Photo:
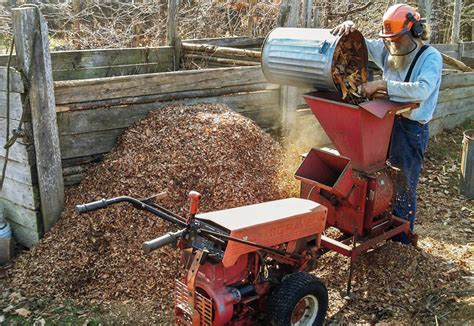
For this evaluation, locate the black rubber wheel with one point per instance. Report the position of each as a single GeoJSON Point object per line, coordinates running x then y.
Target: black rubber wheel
{"type": "Point", "coordinates": [300, 299]}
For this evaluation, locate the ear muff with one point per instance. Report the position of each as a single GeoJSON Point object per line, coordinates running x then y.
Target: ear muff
{"type": "Point", "coordinates": [417, 28]}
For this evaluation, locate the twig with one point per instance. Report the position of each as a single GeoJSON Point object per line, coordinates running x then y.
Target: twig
{"type": "Point", "coordinates": [353, 11]}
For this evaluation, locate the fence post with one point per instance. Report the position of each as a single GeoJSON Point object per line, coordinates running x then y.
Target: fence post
{"type": "Point", "coordinates": [32, 48]}
{"type": "Point", "coordinates": [172, 38]}
{"type": "Point", "coordinates": [289, 15]}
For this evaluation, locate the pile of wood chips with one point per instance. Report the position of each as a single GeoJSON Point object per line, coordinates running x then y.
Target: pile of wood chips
{"type": "Point", "coordinates": [97, 257]}
{"type": "Point", "coordinates": [349, 71]}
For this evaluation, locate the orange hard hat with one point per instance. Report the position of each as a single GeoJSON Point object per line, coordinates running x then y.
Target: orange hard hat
{"type": "Point", "coordinates": [398, 20]}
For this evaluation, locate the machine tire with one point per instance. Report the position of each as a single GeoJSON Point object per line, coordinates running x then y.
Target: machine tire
{"type": "Point", "coordinates": [295, 288]}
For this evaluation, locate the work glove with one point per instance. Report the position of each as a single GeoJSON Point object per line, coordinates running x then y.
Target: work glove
{"type": "Point", "coordinates": [344, 28]}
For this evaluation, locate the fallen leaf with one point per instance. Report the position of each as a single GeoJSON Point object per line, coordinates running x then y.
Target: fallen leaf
{"type": "Point", "coordinates": [23, 312]}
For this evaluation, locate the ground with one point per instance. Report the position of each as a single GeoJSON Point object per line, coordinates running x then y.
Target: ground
{"type": "Point", "coordinates": [394, 284]}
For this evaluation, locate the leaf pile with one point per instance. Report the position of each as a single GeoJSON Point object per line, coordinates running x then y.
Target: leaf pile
{"type": "Point", "coordinates": [97, 256]}
{"type": "Point", "coordinates": [349, 71]}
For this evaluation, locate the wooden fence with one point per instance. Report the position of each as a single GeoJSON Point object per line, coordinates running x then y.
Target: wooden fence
{"type": "Point", "coordinates": [90, 113]}
{"type": "Point", "coordinates": [20, 194]}
{"type": "Point", "coordinates": [71, 65]}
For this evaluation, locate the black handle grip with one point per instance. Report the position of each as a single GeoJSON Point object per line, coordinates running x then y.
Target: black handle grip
{"type": "Point", "coordinates": [84, 208]}
{"type": "Point", "coordinates": [164, 240]}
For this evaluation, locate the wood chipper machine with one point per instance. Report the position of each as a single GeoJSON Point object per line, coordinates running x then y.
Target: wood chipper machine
{"type": "Point", "coordinates": [354, 182]}
{"type": "Point", "coordinates": [248, 265]}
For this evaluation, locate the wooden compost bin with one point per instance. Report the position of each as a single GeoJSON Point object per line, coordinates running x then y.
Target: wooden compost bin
{"type": "Point", "coordinates": [93, 96]}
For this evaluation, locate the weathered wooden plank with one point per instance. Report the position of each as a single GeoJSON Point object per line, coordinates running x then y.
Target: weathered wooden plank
{"type": "Point", "coordinates": [448, 122]}
{"type": "Point", "coordinates": [458, 93]}
{"type": "Point", "coordinates": [16, 84]}
{"type": "Point", "coordinates": [454, 107]}
{"type": "Point", "coordinates": [446, 47]}
{"type": "Point", "coordinates": [75, 122]}
{"type": "Point", "coordinates": [464, 79]}
{"type": "Point", "coordinates": [18, 152]}
{"type": "Point", "coordinates": [70, 60]}
{"type": "Point", "coordinates": [37, 66]}
{"type": "Point", "coordinates": [15, 105]}
{"type": "Point", "coordinates": [234, 42]}
{"type": "Point", "coordinates": [73, 179]}
{"type": "Point", "coordinates": [468, 49]}
{"type": "Point", "coordinates": [149, 84]}
{"type": "Point", "coordinates": [219, 60]}
{"type": "Point", "coordinates": [89, 143]}
{"type": "Point", "coordinates": [20, 193]}
{"type": "Point", "coordinates": [20, 215]}
{"type": "Point", "coordinates": [222, 51]}
{"type": "Point", "coordinates": [167, 97]}
{"type": "Point", "coordinates": [111, 71]}
{"type": "Point", "coordinates": [468, 61]}
{"type": "Point", "coordinates": [20, 172]}
{"type": "Point", "coordinates": [82, 160]}
{"type": "Point", "coordinates": [24, 235]}
{"type": "Point", "coordinates": [83, 59]}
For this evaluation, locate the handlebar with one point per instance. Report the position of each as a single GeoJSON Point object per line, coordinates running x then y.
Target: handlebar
{"type": "Point", "coordinates": [156, 210]}
{"type": "Point", "coordinates": [89, 207]}
{"type": "Point", "coordinates": [164, 240]}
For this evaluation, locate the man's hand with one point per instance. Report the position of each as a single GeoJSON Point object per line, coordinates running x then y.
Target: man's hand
{"type": "Point", "coordinates": [370, 88]}
{"type": "Point", "coordinates": [345, 28]}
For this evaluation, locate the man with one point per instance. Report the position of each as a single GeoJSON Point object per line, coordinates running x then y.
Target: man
{"type": "Point", "coordinates": [411, 73]}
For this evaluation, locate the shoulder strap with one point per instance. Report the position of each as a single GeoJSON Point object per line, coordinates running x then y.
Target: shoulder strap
{"type": "Point", "coordinates": [413, 63]}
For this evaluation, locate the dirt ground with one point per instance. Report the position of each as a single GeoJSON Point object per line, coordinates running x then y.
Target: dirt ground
{"type": "Point", "coordinates": [393, 284]}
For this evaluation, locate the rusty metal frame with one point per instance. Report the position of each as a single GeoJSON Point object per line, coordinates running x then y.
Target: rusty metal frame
{"type": "Point", "coordinates": [397, 226]}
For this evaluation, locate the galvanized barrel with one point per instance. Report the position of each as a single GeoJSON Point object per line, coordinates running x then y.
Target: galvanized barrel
{"type": "Point", "coordinates": [303, 57]}
{"type": "Point", "coordinates": [467, 164]}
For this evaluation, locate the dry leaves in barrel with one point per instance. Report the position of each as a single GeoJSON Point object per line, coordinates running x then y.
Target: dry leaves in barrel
{"type": "Point", "coordinates": [349, 71]}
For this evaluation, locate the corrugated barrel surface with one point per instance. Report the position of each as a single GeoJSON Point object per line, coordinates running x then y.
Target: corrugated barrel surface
{"type": "Point", "coordinates": [300, 57]}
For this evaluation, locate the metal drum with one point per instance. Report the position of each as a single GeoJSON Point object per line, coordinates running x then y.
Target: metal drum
{"type": "Point", "coordinates": [303, 57]}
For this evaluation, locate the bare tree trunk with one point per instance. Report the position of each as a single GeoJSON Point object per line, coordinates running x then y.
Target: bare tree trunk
{"type": "Point", "coordinates": [425, 7]}
{"type": "Point", "coordinates": [317, 15]}
{"type": "Point", "coordinates": [252, 19]}
{"type": "Point", "coordinates": [307, 12]}
{"type": "Point", "coordinates": [456, 21]}
{"type": "Point", "coordinates": [76, 9]}
{"type": "Point", "coordinates": [434, 21]}
{"type": "Point", "coordinates": [289, 13]}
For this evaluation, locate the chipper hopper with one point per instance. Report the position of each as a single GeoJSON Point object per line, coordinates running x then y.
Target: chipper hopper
{"type": "Point", "coordinates": [355, 183]}
{"type": "Point", "coordinates": [244, 266]}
